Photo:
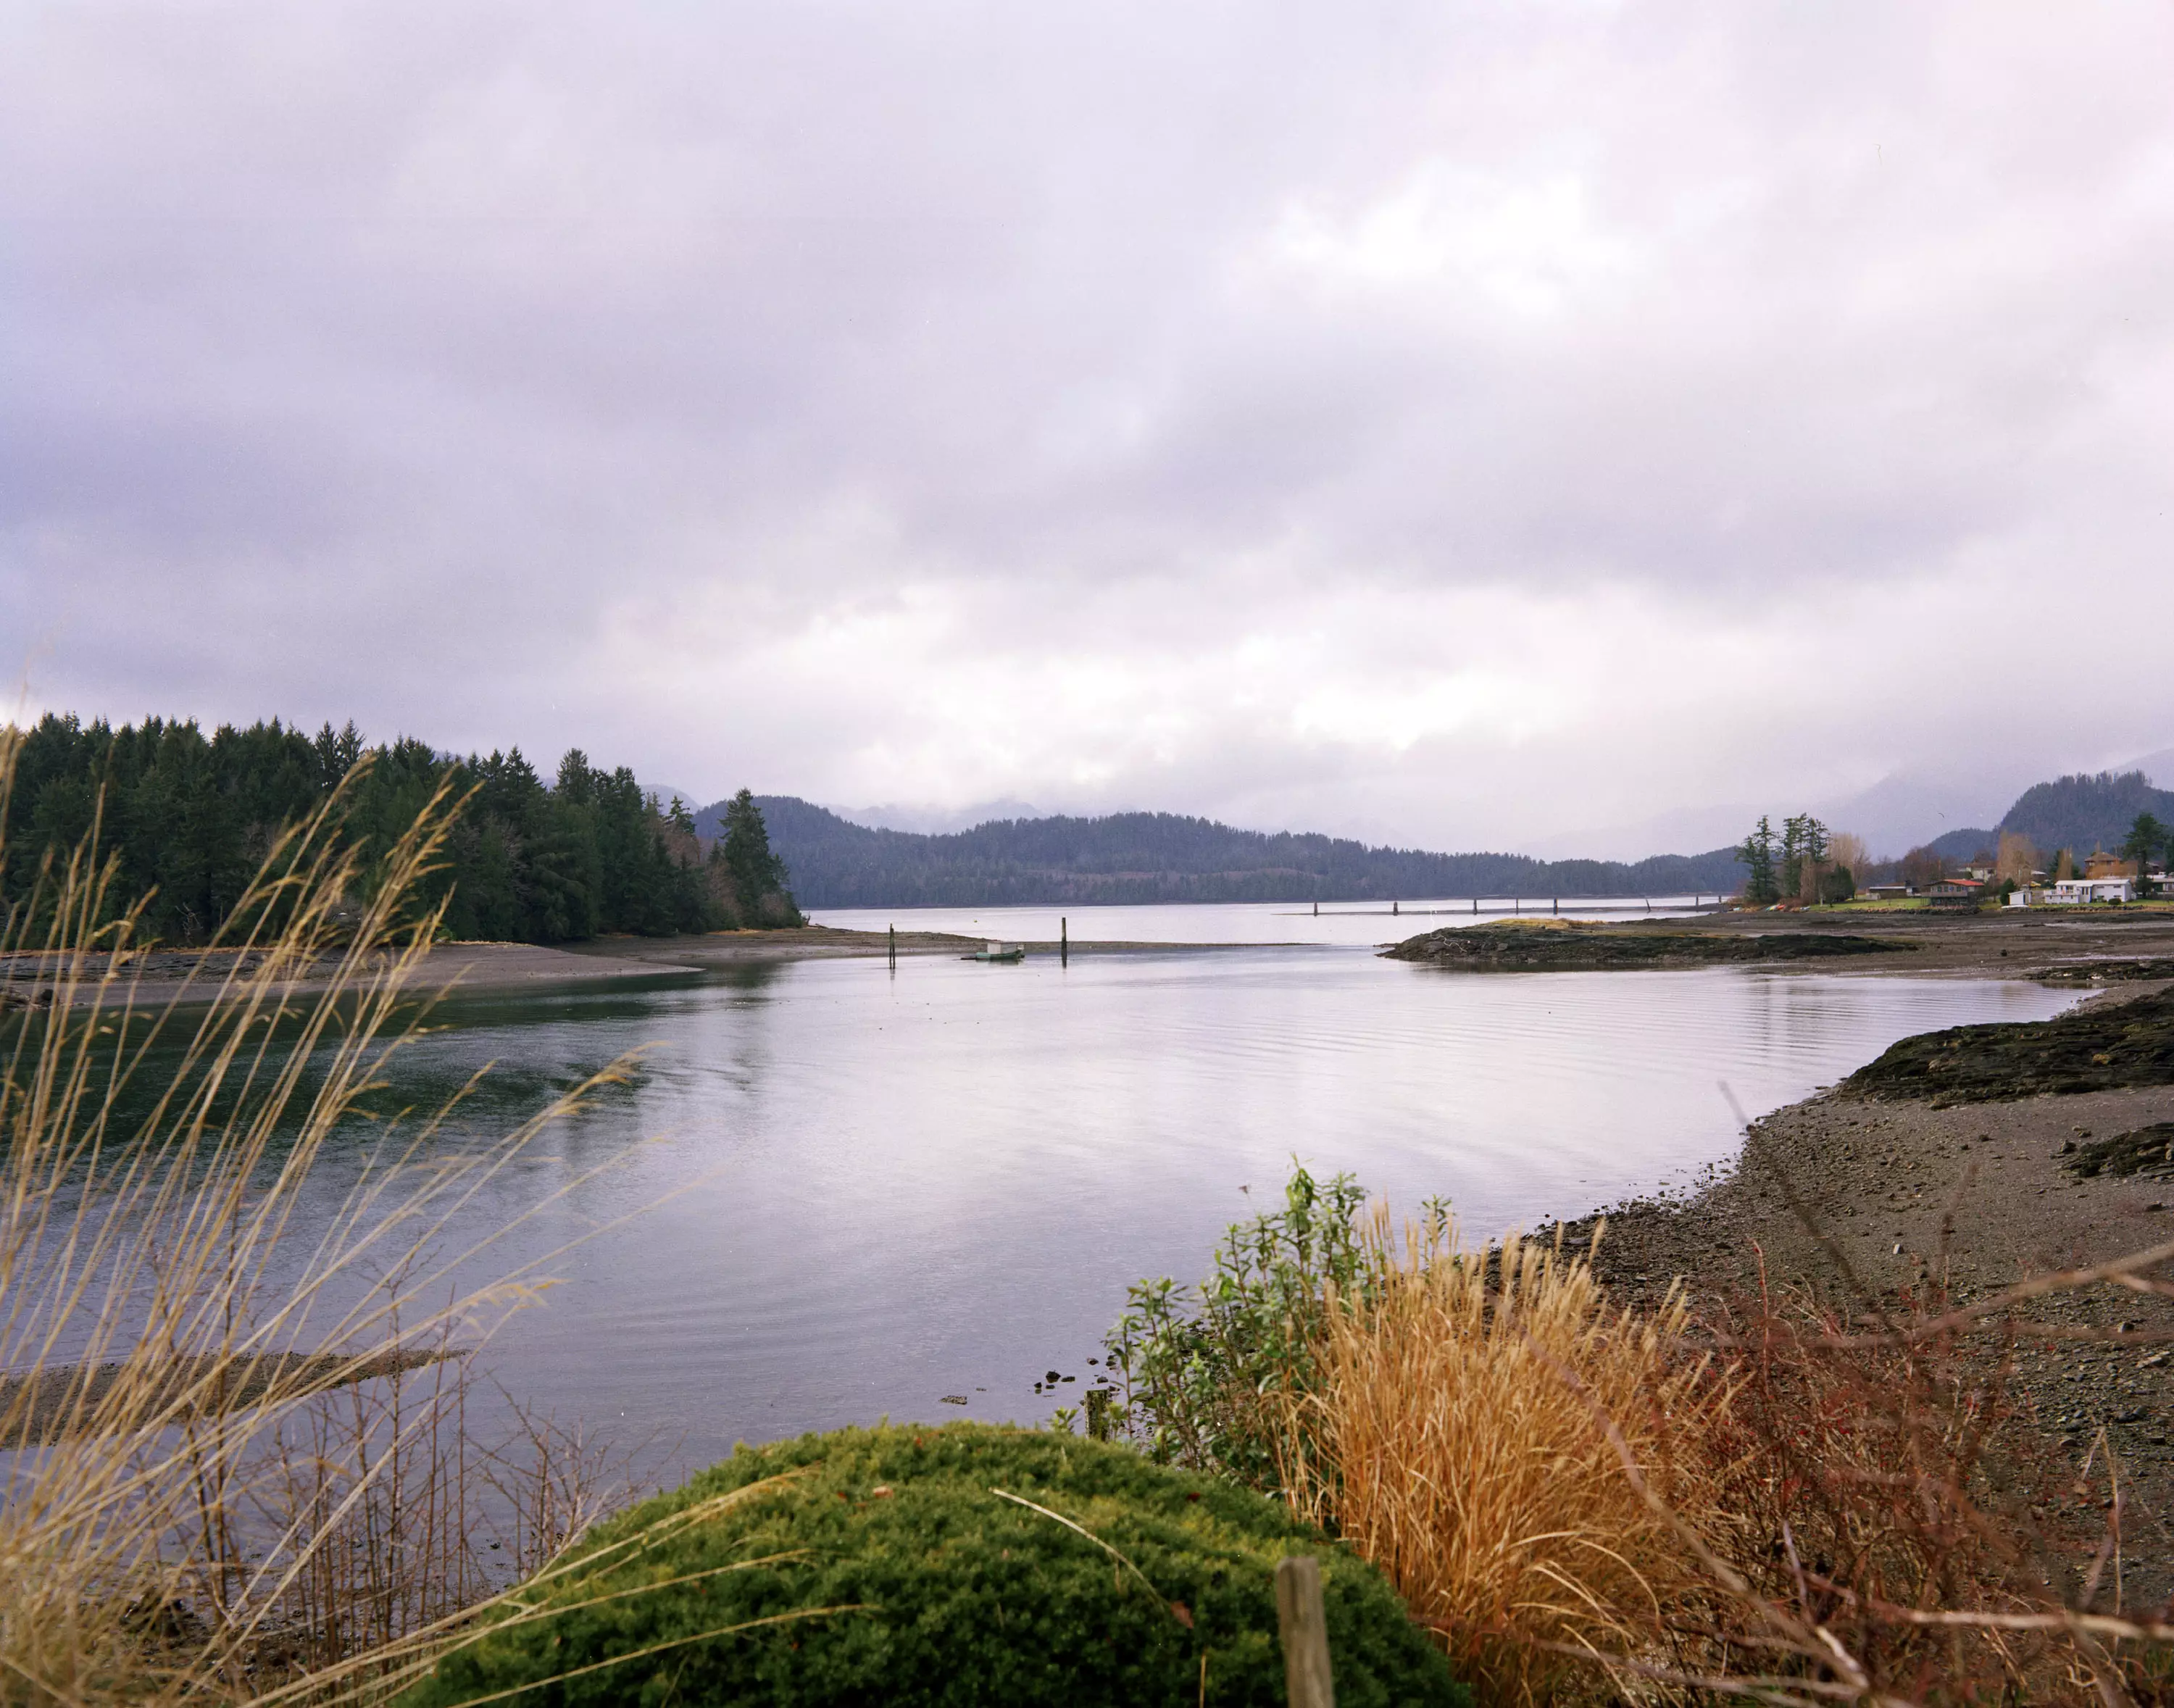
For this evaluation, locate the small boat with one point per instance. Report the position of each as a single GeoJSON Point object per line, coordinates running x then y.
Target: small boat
{"type": "Point", "coordinates": [1001, 952]}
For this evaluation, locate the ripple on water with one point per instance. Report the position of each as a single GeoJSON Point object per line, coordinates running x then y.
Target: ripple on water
{"type": "Point", "coordinates": [879, 1189]}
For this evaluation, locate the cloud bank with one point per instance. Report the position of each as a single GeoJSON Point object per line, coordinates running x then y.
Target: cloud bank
{"type": "Point", "coordinates": [1455, 425]}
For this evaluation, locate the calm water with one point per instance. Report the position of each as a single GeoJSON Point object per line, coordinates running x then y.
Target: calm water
{"type": "Point", "coordinates": [879, 1189]}
{"type": "Point", "coordinates": [1345, 924]}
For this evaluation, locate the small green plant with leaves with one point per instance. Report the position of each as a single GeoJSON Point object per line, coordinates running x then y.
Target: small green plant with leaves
{"type": "Point", "coordinates": [1207, 1375]}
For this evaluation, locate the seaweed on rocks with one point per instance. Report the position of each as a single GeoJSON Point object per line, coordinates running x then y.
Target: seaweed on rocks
{"type": "Point", "coordinates": [2100, 1048]}
{"type": "Point", "coordinates": [1537, 946]}
{"type": "Point", "coordinates": [2147, 1150]}
{"type": "Point", "coordinates": [2107, 972]}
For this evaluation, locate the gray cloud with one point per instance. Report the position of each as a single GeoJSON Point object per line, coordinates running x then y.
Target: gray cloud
{"type": "Point", "coordinates": [1457, 424]}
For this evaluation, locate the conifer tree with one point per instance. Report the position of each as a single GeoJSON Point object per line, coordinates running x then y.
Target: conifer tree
{"type": "Point", "coordinates": [757, 876]}
{"type": "Point", "coordinates": [1757, 853]}
{"type": "Point", "coordinates": [2146, 837]}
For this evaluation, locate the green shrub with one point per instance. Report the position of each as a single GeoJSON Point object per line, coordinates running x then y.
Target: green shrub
{"type": "Point", "coordinates": [965, 1596]}
{"type": "Point", "coordinates": [1207, 1374]}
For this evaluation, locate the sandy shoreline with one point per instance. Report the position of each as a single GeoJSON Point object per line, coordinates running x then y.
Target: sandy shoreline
{"type": "Point", "coordinates": [481, 969]}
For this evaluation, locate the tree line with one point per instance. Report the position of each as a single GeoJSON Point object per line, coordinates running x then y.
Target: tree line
{"type": "Point", "coordinates": [1809, 863]}
{"type": "Point", "coordinates": [190, 817]}
{"type": "Point", "coordinates": [1135, 857]}
{"type": "Point", "coordinates": [1803, 863]}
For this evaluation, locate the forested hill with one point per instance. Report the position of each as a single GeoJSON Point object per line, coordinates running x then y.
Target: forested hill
{"type": "Point", "coordinates": [2085, 813]}
{"type": "Point", "coordinates": [2082, 814]}
{"type": "Point", "coordinates": [190, 817]}
{"type": "Point", "coordinates": [1159, 856]}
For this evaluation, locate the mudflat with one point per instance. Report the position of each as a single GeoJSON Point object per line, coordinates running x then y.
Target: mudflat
{"type": "Point", "coordinates": [27, 979]}
{"type": "Point", "coordinates": [160, 975]}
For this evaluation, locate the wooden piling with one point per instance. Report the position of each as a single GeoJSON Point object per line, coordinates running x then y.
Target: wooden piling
{"type": "Point", "coordinates": [1307, 1680]}
{"type": "Point", "coordinates": [1098, 1413]}
{"type": "Point", "coordinates": [893, 949]}
{"type": "Point", "coordinates": [1064, 942]}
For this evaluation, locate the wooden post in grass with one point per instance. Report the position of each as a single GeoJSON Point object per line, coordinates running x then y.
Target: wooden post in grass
{"type": "Point", "coordinates": [1306, 1681]}
{"type": "Point", "coordinates": [1098, 1413]}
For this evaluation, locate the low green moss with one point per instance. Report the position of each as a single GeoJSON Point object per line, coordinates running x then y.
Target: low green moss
{"type": "Point", "coordinates": [965, 1596]}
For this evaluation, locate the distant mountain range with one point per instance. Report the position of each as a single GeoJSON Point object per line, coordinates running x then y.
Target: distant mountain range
{"type": "Point", "coordinates": [1160, 857]}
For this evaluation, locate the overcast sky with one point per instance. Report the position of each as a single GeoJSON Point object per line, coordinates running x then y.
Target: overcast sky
{"type": "Point", "coordinates": [1454, 424]}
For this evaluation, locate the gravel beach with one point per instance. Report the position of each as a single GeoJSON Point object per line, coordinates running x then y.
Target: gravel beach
{"type": "Point", "coordinates": [1869, 1190]}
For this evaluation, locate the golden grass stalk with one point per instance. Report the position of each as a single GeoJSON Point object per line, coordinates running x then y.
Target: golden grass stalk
{"type": "Point", "coordinates": [173, 1291]}
{"type": "Point", "coordinates": [1445, 1445]}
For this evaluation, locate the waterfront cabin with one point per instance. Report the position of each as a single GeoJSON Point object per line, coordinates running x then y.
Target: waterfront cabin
{"type": "Point", "coordinates": [2081, 892]}
{"type": "Point", "coordinates": [1953, 888]}
{"type": "Point", "coordinates": [1884, 892]}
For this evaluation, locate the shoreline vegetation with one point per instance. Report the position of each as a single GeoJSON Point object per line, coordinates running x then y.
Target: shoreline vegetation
{"type": "Point", "coordinates": [240, 1465]}
{"type": "Point", "coordinates": [1909, 1359]}
{"type": "Point", "coordinates": [1878, 1415]}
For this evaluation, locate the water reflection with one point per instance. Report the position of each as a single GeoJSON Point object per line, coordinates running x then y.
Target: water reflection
{"type": "Point", "coordinates": [879, 1189]}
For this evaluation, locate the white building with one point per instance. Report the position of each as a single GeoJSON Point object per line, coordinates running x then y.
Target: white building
{"type": "Point", "coordinates": [2073, 892]}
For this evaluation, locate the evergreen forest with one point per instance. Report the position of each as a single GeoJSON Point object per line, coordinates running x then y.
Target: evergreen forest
{"type": "Point", "coordinates": [1162, 856]}
{"type": "Point", "coordinates": [190, 817]}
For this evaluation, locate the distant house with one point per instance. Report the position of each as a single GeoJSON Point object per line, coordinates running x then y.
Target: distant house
{"type": "Point", "coordinates": [1953, 888]}
{"type": "Point", "coordinates": [2109, 866]}
{"type": "Point", "coordinates": [2076, 892]}
{"type": "Point", "coordinates": [2027, 895]}
{"type": "Point", "coordinates": [1982, 873]}
{"type": "Point", "coordinates": [1884, 892]}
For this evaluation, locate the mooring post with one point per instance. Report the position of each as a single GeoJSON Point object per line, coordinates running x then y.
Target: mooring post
{"type": "Point", "coordinates": [1557, 908]}
{"type": "Point", "coordinates": [893, 949]}
{"type": "Point", "coordinates": [1064, 942]}
{"type": "Point", "coordinates": [1395, 908]}
{"type": "Point", "coordinates": [1317, 910]}
{"type": "Point", "coordinates": [1306, 1681]}
{"type": "Point", "coordinates": [1475, 907]}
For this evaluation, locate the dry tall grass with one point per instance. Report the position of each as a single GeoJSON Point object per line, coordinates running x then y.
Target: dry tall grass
{"type": "Point", "coordinates": [1591, 1504]}
{"type": "Point", "coordinates": [220, 1468]}
{"type": "Point", "coordinates": [1459, 1439]}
